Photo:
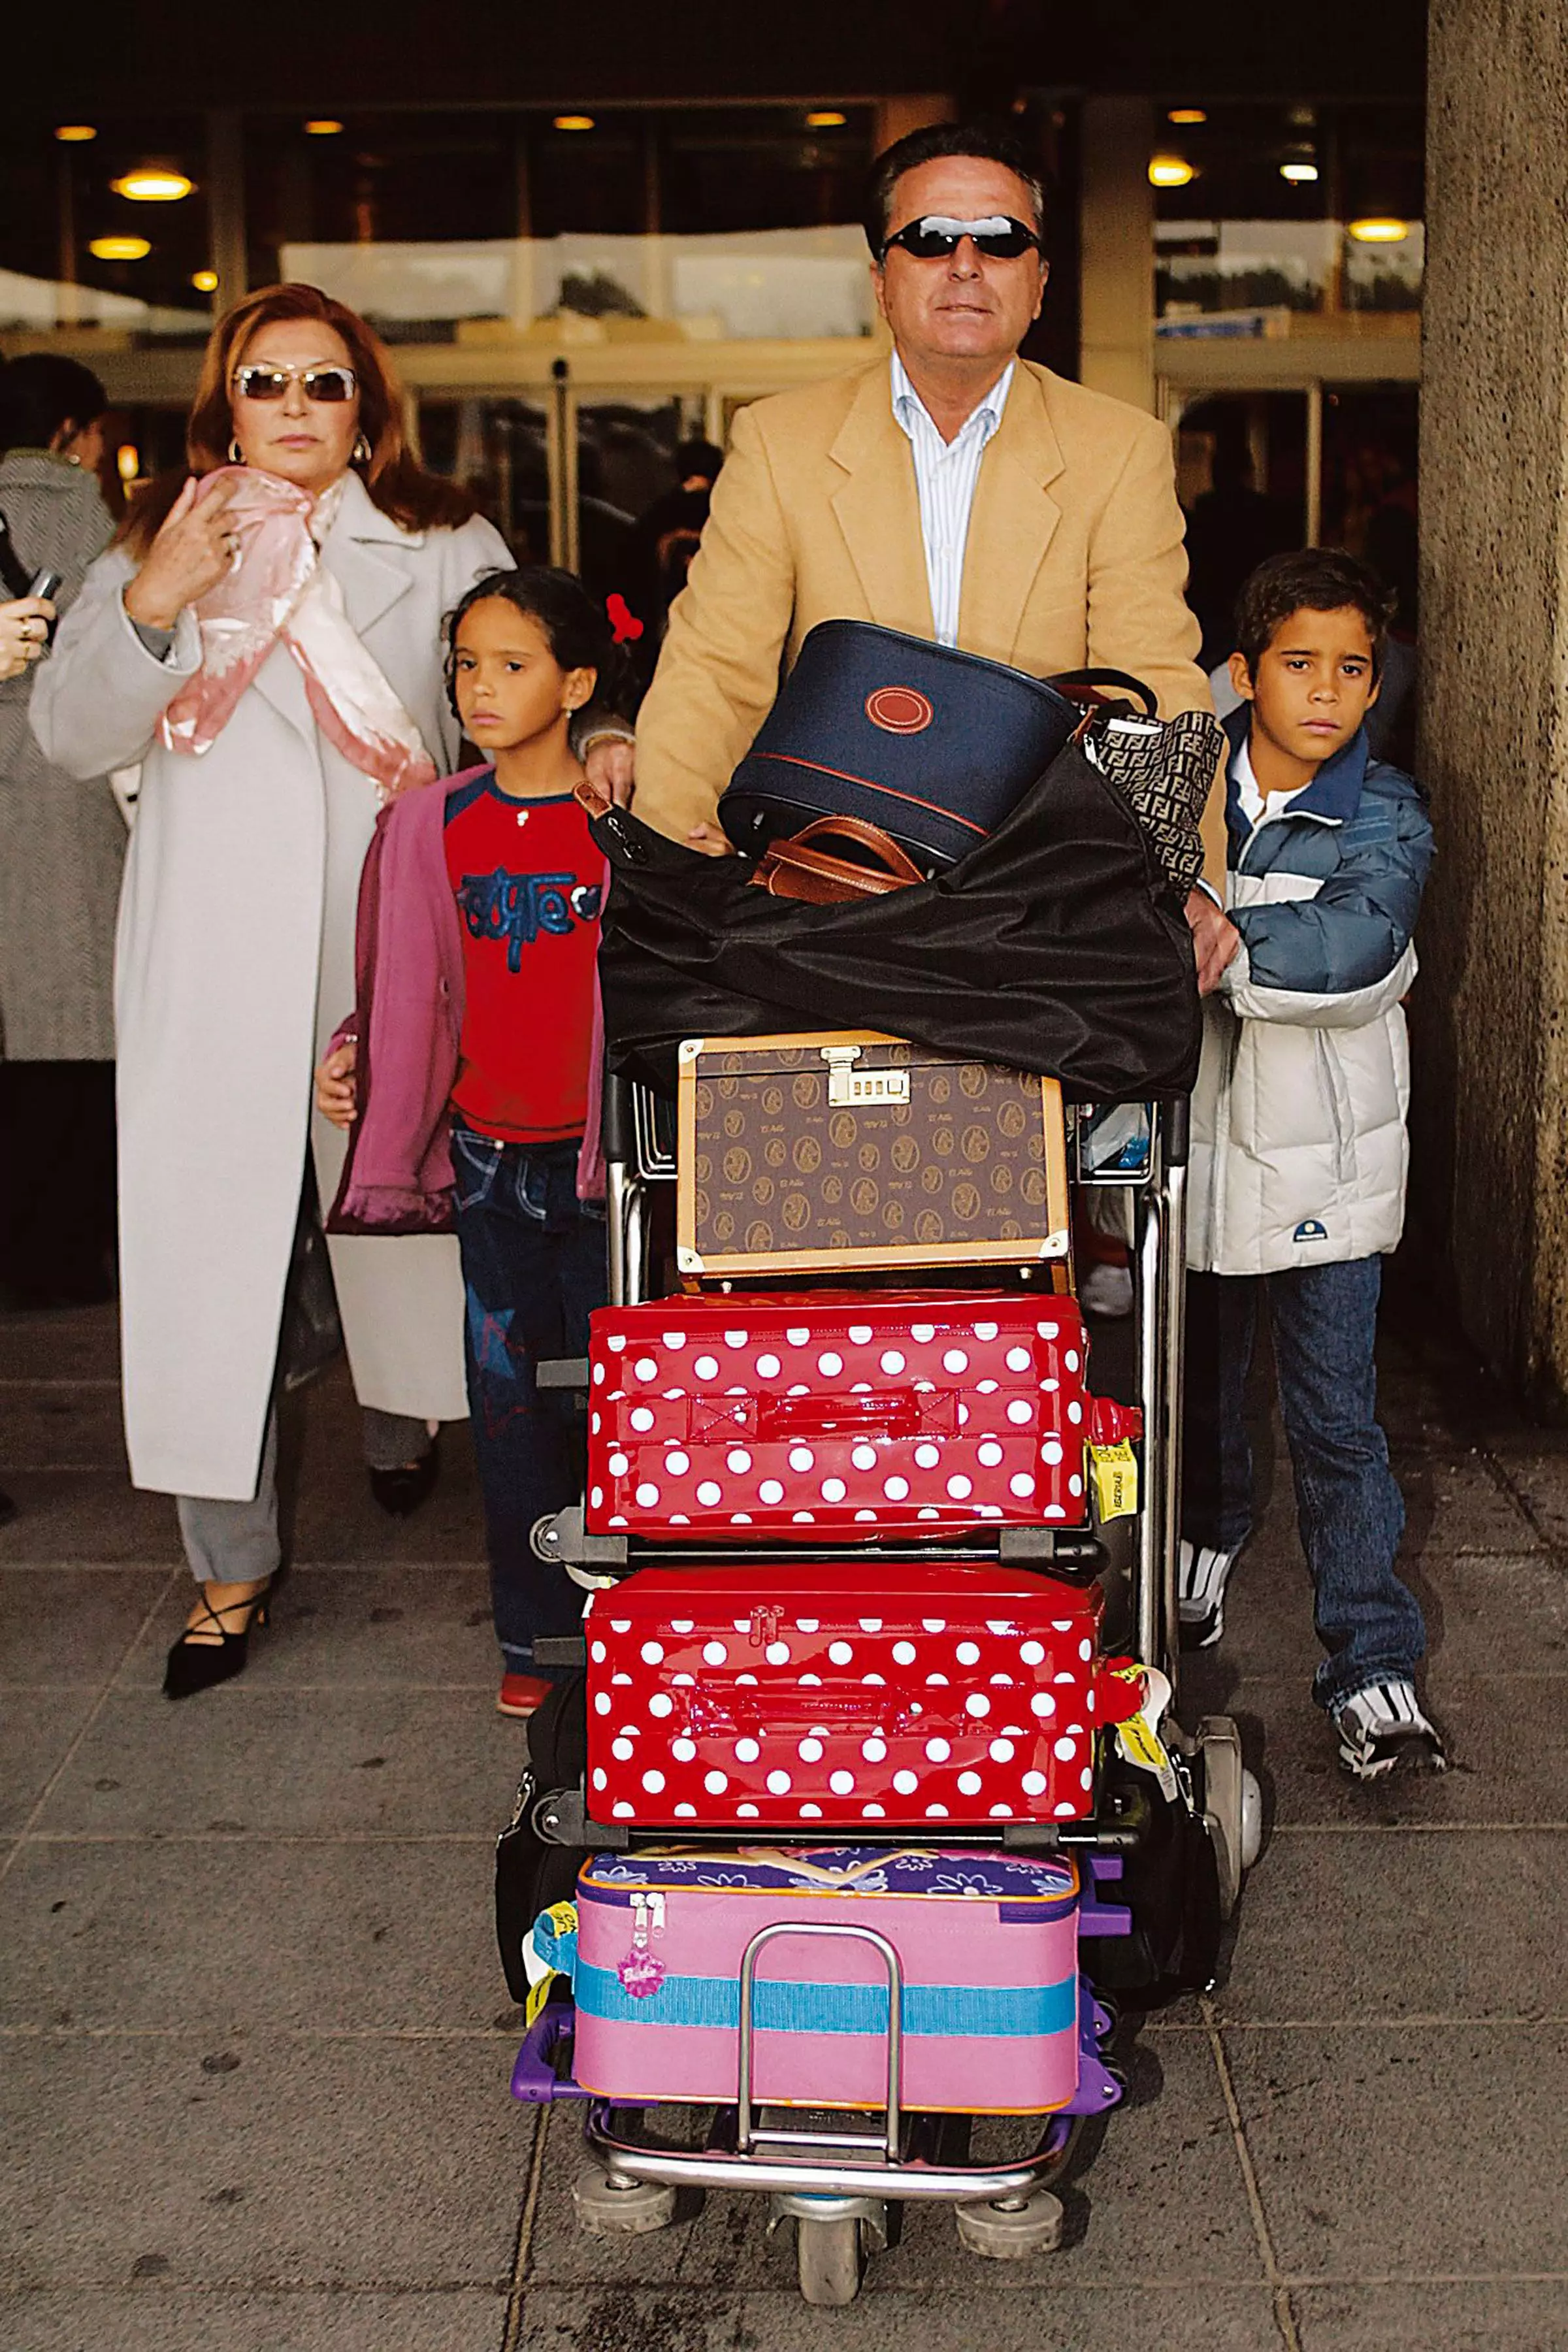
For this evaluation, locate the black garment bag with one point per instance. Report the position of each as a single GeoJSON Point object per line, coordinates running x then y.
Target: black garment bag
{"type": "Point", "coordinates": [1057, 945]}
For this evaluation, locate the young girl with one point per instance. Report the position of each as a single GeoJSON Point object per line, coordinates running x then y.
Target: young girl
{"type": "Point", "coordinates": [469, 1068]}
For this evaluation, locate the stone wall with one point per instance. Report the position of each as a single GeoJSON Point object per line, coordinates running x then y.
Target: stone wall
{"type": "Point", "coordinates": [1490, 1013]}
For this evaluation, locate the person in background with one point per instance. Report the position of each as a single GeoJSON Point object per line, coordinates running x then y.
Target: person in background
{"type": "Point", "coordinates": [1233, 527]}
{"type": "Point", "coordinates": [265, 639]}
{"type": "Point", "coordinates": [23, 633]}
{"type": "Point", "coordinates": [64, 848]}
{"type": "Point", "coordinates": [662, 545]}
{"type": "Point", "coordinates": [477, 1019]}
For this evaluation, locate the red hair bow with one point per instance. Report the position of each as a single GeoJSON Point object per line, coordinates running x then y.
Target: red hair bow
{"type": "Point", "coordinates": [622, 620]}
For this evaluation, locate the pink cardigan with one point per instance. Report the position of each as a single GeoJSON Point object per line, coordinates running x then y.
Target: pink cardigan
{"type": "Point", "coordinates": [408, 1021]}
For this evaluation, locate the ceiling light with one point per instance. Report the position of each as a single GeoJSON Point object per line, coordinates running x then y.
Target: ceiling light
{"type": "Point", "coordinates": [1170, 172]}
{"type": "Point", "coordinates": [827, 118]}
{"type": "Point", "coordinates": [323, 127]}
{"type": "Point", "coordinates": [574, 122]}
{"type": "Point", "coordinates": [73, 133]}
{"type": "Point", "coordinates": [152, 183]}
{"type": "Point", "coordinates": [205, 280]}
{"type": "Point", "coordinates": [1298, 175]}
{"type": "Point", "coordinates": [1188, 114]}
{"type": "Point", "coordinates": [119, 248]}
{"type": "Point", "coordinates": [1381, 228]}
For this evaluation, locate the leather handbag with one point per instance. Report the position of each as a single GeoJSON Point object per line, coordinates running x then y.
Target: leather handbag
{"type": "Point", "coordinates": [802, 869]}
{"type": "Point", "coordinates": [933, 745]}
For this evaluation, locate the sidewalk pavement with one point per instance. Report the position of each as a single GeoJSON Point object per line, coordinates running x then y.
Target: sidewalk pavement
{"type": "Point", "coordinates": [255, 2044]}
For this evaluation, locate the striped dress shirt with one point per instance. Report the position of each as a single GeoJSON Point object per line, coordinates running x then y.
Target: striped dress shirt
{"type": "Point", "coordinates": [945, 476]}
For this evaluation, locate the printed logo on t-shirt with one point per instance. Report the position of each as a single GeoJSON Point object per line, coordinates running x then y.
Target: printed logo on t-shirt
{"type": "Point", "coordinates": [519, 907]}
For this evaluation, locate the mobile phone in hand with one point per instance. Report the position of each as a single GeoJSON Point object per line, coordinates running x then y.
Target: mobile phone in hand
{"type": "Point", "coordinates": [47, 583]}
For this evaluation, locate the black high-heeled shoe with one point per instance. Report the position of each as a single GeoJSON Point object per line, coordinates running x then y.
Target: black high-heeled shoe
{"type": "Point", "coordinates": [400, 1492]}
{"type": "Point", "coordinates": [197, 1664]}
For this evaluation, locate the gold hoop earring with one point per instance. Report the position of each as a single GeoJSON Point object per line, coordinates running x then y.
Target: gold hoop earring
{"type": "Point", "coordinates": [236, 454]}
{"type": "Point", "coordinates": [362, 450]}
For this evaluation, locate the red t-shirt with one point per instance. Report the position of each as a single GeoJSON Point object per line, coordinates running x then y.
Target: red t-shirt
{"type": "Point", "coordinates": [529, 882]}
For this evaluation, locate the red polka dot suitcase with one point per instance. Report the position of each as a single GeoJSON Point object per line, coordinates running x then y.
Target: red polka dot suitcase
{"type": "Point", "coordinates": [843, 1694]}
{"type": "Point", "coordinates": [819, 1415]}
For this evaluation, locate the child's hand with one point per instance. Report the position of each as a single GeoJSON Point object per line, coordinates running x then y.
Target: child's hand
{"type": "Point", "coordinates": [335, 1087]}
{"type": "Point", "coordinates": [1215, 940]}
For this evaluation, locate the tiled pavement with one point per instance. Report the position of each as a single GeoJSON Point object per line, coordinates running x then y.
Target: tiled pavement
{"type": "Point", "coordinates": [254, 2044]}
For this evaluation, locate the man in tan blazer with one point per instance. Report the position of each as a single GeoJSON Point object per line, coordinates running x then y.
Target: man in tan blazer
{"type": "Point", "coordinates": [958, 492]}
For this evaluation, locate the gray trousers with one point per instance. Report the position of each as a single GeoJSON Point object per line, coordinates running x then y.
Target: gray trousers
{"type": "Point", "coordinates": [238, 1543]}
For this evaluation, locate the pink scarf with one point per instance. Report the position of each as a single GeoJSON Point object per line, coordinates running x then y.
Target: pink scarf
{"type": "Point", "coordinates": [279, 588]}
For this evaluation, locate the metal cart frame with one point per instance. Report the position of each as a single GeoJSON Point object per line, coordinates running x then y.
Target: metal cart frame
{"type": "Point", "coordinates": [837, 2183]}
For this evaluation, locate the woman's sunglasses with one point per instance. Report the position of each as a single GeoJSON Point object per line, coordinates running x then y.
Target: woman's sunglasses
{"type": "Point", "coordinates": [325, 384]}
{"type": "Point", "coordinates": [999, 238]}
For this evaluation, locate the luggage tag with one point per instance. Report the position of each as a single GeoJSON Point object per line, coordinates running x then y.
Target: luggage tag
{"type": "Point", "coordinates": [1138, 1736]}
{"type": "Point", "coordinates": [642, 1973]}
{"type": "Point", "coordinates": [1113, 1466]}
{"type": "Point", "coordinates": [549, 1951]}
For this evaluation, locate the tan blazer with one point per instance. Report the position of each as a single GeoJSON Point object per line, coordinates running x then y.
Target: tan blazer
{"type": "Point", "coordinates": [1074, 556]}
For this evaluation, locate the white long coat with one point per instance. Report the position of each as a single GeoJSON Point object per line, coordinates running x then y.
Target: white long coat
{"type": "Point", "coordinates": [233, 962]}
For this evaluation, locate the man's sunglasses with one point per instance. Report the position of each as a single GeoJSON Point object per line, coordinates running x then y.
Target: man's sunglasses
{"type": "Point", "coordinates": [324, 384]}
{"type": "Point", "coordinates": [999, 238]}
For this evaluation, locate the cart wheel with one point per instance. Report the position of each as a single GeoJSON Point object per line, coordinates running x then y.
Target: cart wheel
{"type": "Point", "coordinates": [1232, 1805]}
{"type": "Point", "coordinates": [832, 2260]}
{"type": "Point", "coordinates": [607, 2207]}
{"type": "Point", "coordinates": [1012, 2232]}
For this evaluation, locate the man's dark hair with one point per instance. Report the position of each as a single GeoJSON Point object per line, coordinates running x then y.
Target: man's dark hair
{"type": "Point", "coordinates": [43, 391]}
{"type": "Point", "coordinates": [932, 145]}
{"type": "Point", "coordinates": [1318, 579]}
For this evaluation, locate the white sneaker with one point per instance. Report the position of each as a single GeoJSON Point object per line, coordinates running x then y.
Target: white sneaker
{"type": "Point", "coordinates": [1201, 1572]}
{"type": "Point", "coordinates": [1383, 1729]}
{"type": "Point", "coordinates": [1106, 1293]}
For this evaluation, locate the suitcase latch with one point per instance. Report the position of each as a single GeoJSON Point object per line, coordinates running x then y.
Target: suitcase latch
{"type": "Point", "coordinates": [848, 1089]}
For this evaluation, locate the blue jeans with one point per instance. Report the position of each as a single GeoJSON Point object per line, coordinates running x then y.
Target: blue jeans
{"type": "Point", "coordinates": [1348, 1504]}
{"type": "Point", "coordinates": [533, 1267]}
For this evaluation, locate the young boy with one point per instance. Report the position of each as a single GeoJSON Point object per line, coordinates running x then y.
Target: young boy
{"type": "Point", "coordinates": [1299, 1149]}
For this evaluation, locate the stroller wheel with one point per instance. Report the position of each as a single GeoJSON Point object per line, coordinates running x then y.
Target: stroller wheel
{"type": "Point", "coordinates": [1012, 2232]}
{"type": "Point", "coordinates": [831, 2256]}
{"type": "Point", "coordinates": [607, 2208]}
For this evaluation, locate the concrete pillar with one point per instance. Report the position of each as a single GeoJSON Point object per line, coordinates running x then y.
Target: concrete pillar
{"type": "Point", "coordinates": [1491, 1005]}
{"type": "Point", "coordinates": [1117, 218]}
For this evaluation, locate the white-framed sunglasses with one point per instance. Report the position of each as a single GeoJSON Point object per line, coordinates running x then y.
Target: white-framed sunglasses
{"type": "Point", "coordinates": [262, 381]}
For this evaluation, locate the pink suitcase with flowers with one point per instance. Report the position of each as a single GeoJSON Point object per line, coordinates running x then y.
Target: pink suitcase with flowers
{"type": "Point", "coordinates": [845, 1693]}
{"type": "Point", "coordinates": [987, 1951]}
{"type": "Point", "coordinates": [816, 1416]}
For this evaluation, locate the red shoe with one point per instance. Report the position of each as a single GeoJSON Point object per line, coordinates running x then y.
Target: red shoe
{"type": "Point", "coordinates": [521, 1695]}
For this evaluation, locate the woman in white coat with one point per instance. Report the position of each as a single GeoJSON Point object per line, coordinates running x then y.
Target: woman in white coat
{"type": "Point", "coordinates": [267, 645]}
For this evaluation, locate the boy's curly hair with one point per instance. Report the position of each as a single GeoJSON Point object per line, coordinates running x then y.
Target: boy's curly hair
{"type": "Point", "coordinates": [1320, 580]}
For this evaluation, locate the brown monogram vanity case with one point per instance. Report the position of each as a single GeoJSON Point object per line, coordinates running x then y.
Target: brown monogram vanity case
{"type": "Point", "coordinates": [825, 1153]}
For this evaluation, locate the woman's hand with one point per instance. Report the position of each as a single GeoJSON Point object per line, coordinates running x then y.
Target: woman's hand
{"type": "Point", "coordinates": [191, 553]}
{"type": "Point", "coordinates": [23, 633]}
{"type": "Point", "coordinates": [336, 1092]}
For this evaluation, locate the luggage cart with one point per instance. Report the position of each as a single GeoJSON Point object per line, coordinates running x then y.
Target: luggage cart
{"type": "Point", "coordinates": [844, 2186]}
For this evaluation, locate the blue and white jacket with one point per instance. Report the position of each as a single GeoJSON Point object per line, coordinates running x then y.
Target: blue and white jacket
{"type": "Point", "coordinates": [1299, 1149]}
